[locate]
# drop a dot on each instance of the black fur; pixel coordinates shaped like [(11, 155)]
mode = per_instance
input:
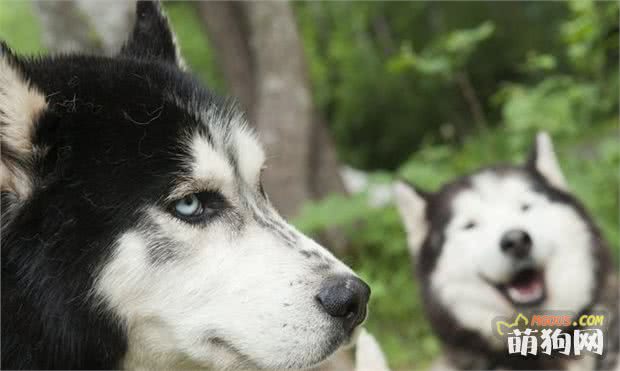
[(109, 145), (152, 37)]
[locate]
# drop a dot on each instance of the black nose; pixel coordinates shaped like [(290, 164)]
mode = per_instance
[(516, 243), (345, 298)]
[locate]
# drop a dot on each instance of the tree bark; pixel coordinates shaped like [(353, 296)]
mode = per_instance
[(284, 109), (227, 28), (260, 53), (324, 164)]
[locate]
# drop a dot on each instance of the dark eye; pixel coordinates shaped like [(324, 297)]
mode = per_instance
[(469, 225), (525, 207), (198, 207)]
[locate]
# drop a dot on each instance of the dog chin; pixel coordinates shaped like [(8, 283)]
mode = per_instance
[(316, 356), (227, 356)]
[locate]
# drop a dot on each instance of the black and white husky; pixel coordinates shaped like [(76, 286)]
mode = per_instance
[(135, 231), (500, 240)]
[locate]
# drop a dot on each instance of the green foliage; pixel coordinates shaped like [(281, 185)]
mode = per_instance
[(558, 104), (348, 212), (384, 74), (389, 68), (19, 28), (395, 295), (585, 32), (536, 62), (444, 56), (561, 91), (194, 43)]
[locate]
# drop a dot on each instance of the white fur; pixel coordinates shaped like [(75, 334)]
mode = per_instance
[(20, 104), (368, 354), (547, 163), (250, 155), (412, 208), (210, 165), (560, 244), (246, 287)]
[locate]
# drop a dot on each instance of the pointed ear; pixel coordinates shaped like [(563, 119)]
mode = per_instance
[(152, 36), (21, 104), (543, 160), (411, 205)]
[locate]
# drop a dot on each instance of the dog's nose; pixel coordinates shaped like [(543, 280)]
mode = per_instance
[(516, 243), (345, 298)]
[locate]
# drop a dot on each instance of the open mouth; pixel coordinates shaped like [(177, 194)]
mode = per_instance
[(526, 288)]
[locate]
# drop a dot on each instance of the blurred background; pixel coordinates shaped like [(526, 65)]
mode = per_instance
[(348, 95)]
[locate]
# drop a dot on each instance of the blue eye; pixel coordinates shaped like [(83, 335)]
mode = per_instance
[(199, 207), (188, 206)]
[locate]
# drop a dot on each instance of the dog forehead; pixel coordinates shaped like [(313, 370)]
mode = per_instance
[(227, 149), (151, 116), (249, 153), (210, 164), (493, 188)]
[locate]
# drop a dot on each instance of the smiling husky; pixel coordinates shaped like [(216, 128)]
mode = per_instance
[(501, 240), (135, 230)]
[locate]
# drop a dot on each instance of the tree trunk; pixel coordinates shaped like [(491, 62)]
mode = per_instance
[(324, 179), (324, 164), (227, 28), (260, 53), (284, 109)]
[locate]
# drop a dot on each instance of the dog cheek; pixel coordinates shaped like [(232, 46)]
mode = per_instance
[(125, 275)]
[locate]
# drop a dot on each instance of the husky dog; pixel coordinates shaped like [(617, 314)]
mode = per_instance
[(501, 240), (135, 230)]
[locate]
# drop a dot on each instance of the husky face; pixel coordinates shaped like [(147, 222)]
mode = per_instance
[(500, 240), (136, 231)]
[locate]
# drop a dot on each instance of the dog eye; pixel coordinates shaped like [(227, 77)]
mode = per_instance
[(198, 207), (469, 225), (188, 206), (525, 207)]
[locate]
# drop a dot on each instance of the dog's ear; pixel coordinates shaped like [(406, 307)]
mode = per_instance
[(411, 204), (21, 105), (152, 36), (543, 160)]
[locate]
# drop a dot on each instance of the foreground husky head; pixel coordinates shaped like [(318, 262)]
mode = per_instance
[(135, 228), (500, 240)]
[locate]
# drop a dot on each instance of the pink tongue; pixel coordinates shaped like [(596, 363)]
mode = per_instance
[(527, 287)]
